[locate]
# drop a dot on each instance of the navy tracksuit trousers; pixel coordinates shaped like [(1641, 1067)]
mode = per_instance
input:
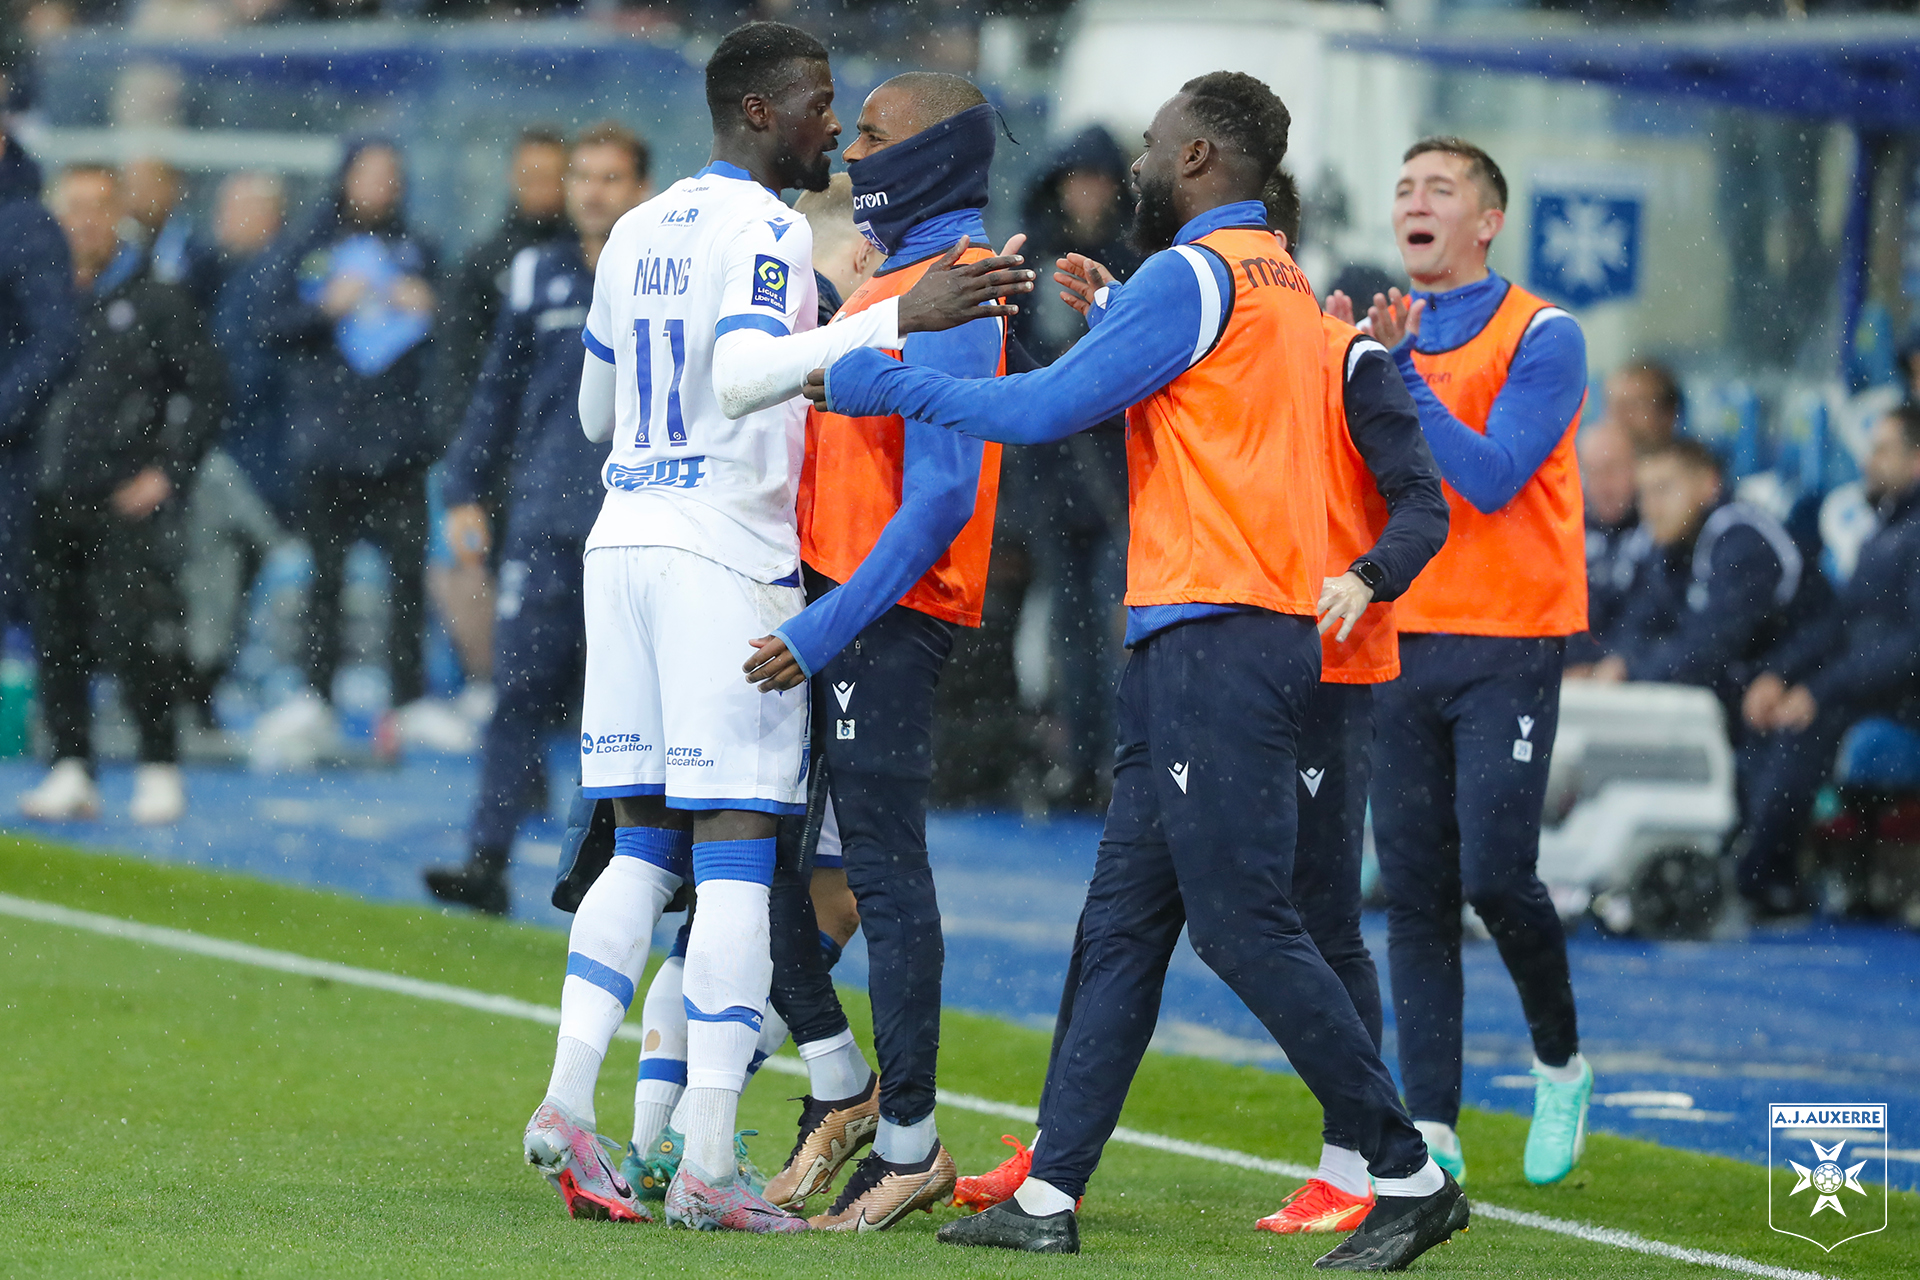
[(1461, 747), (1336, 760), (873, 729), (1335, 763), (539, 643), (1201, 834)]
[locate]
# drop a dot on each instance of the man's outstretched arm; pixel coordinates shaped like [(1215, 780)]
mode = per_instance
[(1149, 336)]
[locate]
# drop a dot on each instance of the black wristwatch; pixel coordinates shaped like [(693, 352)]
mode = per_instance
[(1368, 572)]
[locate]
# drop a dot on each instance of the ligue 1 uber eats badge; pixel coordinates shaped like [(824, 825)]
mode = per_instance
[(1835, 1152)]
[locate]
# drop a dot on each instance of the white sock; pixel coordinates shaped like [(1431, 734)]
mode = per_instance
[(1440, 1137), (1041, 1199), (576, 1065), (905, 1143), (1575, 1066), (1343, 1168), (835, 1067), (729, 969), (1425, 1182), (706, 1116), (773, 1034), (607, 948), (663, 1054), (725, 984)]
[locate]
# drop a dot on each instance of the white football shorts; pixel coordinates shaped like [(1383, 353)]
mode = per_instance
[(667, 709)]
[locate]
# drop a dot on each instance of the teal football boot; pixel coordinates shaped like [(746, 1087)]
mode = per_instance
[(1559, 1131)]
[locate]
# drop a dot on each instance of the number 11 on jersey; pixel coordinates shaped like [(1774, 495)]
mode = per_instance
[(675, 334)]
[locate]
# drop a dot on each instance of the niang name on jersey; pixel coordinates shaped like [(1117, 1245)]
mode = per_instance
[(664, 276), (663, 473)]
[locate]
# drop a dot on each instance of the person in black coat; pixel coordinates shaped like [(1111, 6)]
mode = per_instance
[(349, 305), (39, 335), (119, 441), (1798, 708), (1075, 491)]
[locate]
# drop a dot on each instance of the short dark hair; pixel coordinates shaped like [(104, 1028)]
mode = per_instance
[(1666, 392), (1281, 195), (1236, 109), (1480, 166), (1690, 453), (611, 133), (940, 95), (541, 135), (1908, 416), (747, 60)]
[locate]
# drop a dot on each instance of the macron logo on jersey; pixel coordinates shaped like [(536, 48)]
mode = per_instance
[(1179, 772), (778, 228), (769, 283)]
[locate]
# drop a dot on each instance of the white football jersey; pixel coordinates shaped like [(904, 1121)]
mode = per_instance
[(712, 253)]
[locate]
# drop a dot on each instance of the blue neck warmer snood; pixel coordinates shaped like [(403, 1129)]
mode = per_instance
[(937, 171)]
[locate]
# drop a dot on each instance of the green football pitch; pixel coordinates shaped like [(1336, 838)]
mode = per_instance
[(172, 1113)]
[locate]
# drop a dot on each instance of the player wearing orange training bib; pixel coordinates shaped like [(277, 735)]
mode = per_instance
[(1215, 349), (1466, 732)]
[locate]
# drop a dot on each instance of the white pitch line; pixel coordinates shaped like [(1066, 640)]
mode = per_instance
[(507, 1006)]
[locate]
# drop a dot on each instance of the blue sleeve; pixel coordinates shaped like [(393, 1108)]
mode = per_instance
[(1719, 630), (39, 287), (1386, 432), (1149, 336), (1545, 385), (940, 484), (486, 429)]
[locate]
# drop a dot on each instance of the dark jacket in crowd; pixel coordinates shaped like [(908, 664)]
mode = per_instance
[(39, 322), (525, 411), (476, 295), (1713, 610), (344, 422), (255, 432), (147, 390), (1873, 664), (1614, 552), (1079, 485), (1048, 328), (39, 332)]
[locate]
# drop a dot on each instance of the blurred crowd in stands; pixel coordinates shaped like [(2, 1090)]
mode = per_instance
[(940, 34), (179, 399), (1810, 642), (182, 398)]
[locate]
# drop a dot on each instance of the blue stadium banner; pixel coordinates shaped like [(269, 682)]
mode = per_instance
[(1585, 244)]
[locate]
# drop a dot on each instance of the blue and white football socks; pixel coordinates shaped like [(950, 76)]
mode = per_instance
[(606, 953), (729, 969), (662, 1075), (773, 1034)]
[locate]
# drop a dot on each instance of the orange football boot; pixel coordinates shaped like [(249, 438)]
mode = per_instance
[(1317, 1207), (981, 1192)]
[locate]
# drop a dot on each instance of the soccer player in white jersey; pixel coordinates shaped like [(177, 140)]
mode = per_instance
[(699, 336)]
